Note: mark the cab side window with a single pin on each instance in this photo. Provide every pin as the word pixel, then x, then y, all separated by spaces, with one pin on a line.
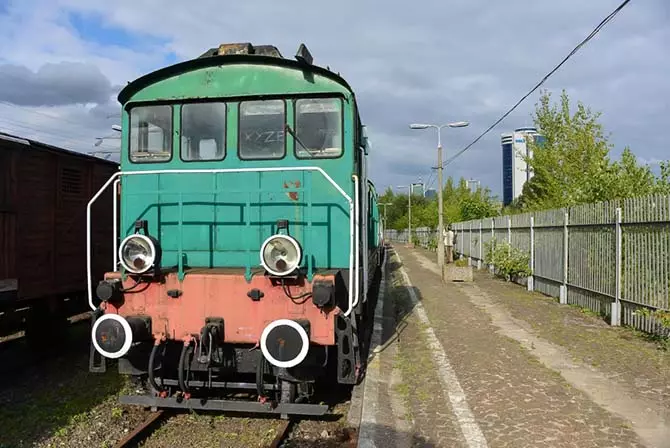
pixel 151 133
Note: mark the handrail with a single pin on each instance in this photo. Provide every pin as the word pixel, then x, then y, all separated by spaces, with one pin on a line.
pixel 353 220
pixel 357 239
pixel 115 213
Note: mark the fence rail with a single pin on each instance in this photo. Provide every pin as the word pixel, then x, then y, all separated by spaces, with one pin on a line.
pixel 610 257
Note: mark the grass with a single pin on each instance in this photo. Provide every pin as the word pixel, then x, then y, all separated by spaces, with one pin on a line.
pixel 55 404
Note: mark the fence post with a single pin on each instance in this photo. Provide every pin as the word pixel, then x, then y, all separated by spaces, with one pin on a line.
pixel 492 268
pixel 509 235
pixel 470 245
pixel 563 297
pixel 479 260
pixel 531 283
pixel 616 306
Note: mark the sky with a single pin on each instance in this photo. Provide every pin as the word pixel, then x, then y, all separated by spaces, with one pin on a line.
pixel 63 62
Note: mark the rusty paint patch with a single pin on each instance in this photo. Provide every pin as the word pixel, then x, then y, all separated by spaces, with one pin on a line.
pixel 293 195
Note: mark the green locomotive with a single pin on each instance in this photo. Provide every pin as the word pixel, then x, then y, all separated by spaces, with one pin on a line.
pixel 249 235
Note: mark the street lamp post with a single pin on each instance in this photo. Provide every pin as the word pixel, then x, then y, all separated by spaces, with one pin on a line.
pixel 384 204
pixel 440 212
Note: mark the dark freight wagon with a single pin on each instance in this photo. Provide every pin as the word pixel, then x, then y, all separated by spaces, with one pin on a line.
pixel 44 192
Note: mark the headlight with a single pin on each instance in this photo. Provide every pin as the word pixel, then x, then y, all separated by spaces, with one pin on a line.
pixel 280 255
pixel 138 253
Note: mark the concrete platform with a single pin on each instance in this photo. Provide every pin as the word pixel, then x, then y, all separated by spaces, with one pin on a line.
pixel 456 365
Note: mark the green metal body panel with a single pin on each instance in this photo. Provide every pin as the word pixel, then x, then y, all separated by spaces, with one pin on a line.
pixel 221 220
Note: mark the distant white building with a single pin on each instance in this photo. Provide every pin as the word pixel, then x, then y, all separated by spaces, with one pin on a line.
pixel 418 189
pixel 514 167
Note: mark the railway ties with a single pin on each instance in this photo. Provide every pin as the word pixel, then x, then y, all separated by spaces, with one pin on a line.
pixel 145 429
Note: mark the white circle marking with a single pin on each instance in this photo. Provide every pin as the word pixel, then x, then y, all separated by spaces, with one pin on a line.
pixel 126 329
pixel 303 335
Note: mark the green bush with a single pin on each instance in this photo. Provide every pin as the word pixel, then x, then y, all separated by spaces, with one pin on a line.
pixel 509 262
pixel 462 262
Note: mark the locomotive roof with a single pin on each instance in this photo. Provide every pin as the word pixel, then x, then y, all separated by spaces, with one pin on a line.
pixel 230 54
pixel 51 148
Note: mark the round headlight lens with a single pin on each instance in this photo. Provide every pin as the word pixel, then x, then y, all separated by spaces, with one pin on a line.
pixel 137 253
pixel 280 255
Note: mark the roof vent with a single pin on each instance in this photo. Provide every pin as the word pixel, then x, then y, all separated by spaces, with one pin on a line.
pixel 241 48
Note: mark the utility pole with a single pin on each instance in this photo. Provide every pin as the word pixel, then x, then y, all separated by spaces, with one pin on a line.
pixel 440 207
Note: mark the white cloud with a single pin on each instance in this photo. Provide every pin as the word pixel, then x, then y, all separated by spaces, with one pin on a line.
pixel 425 61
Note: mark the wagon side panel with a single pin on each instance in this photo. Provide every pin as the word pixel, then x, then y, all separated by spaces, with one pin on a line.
pixel 8 207
pixel 36 218
pixel 72 193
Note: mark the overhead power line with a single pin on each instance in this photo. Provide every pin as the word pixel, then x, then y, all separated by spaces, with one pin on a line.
pixel 581 44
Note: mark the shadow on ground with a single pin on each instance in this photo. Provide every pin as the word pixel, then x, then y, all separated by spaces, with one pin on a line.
pixel 396 311
pixel 43 397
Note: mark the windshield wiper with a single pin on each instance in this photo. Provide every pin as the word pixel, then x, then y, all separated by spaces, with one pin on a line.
pixel 295 137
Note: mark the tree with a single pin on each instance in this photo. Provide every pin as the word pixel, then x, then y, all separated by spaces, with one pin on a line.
pixel 572 165
pixel 459 204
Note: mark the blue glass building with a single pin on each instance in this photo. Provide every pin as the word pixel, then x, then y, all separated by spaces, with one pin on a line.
pixel 514 153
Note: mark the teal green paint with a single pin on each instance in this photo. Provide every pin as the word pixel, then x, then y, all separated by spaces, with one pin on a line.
pixel 236 80
pixel 221 220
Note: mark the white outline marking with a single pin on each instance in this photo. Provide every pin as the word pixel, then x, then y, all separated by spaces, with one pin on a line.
pixel 368 429
pixel 303 335
pixel 126 328
pixel 118 174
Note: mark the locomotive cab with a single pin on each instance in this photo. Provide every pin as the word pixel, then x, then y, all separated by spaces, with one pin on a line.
pixel 248 235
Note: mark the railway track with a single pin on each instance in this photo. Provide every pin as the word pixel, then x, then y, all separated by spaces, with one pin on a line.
pixel 142 431
pixel 145 429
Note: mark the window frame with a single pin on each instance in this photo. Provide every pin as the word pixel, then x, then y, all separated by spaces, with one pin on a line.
pixel 226 105
pixel 239 119
pixel 130 132
pixel 295 125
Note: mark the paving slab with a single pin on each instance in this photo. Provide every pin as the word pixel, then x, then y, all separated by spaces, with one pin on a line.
pixel 515 398
pixel 620 369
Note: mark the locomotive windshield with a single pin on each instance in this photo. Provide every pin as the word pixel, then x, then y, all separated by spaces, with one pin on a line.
pixel 203 127
pixel 319 127
pixel 151 133
pixel 261 131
